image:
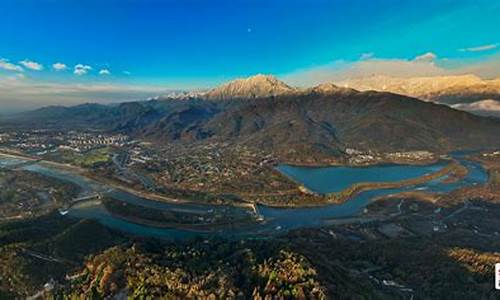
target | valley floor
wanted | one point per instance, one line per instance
(403, 245)
(396, 256)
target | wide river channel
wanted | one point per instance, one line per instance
(275, 220)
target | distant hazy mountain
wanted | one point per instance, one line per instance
(87, 112)
(125, 117)
(443, 89)
(263, 112)
(180, 95)
(257, 86)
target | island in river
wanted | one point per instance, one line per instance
(184, 218)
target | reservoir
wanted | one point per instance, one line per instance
(325, 180)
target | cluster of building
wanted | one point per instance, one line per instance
(358, 157)
(99, 139)
(141, 155)
(492, 154)
(209, 165)
(411, 155)
(4, 137)
(40, 142)
(32, 142)
(80, 142)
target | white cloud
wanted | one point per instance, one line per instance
(81, 69)
(486, 105)
(479, 48)
(59, 66)
(428, 57)
(32, 65)
(127, 73)
(6, 65)
(365, 56)
(104, 72)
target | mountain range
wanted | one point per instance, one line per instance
(459, 91)
(463, 92)
(264, 112)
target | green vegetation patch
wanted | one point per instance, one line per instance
(89, 159)
(494, 177)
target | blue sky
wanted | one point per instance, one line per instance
(197, 44)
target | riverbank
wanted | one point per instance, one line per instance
(208, 221)
(417, 195)
(454, 168)
(491, 163)
(379, 161)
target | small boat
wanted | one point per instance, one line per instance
(63, 212)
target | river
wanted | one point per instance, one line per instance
(276, 220)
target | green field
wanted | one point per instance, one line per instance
(88, 159)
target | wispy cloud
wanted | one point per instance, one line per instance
(6, 65)
(485, 68)
(428, 57)
(59, 66)
(32, 65)
(479, 48)
(81, 69)
(31, 93)
(421, 65)
(485, 105)
(104, 72)
(366, 55)
(424, 65)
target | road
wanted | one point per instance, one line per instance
(120, 164)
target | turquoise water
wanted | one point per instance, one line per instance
(322, 180)
(335, 179)
(11, 162)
